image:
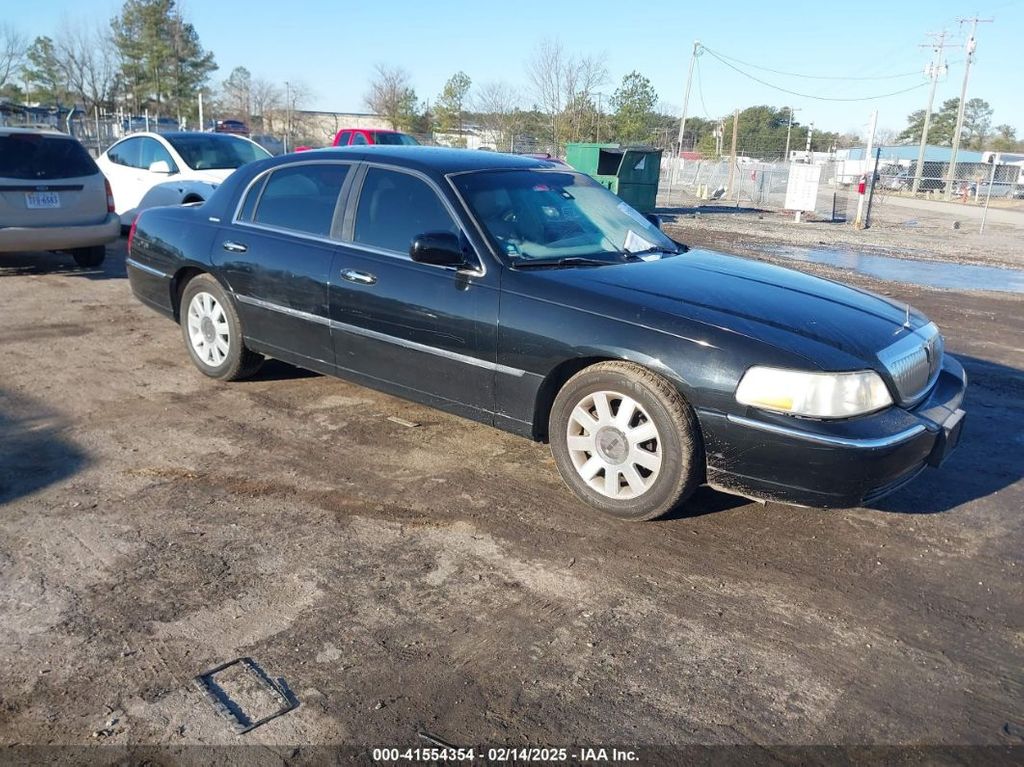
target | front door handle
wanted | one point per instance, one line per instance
(234, 247)
(363, 278)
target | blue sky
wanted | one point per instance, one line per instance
(332, 45)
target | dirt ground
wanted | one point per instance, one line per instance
(154, 524)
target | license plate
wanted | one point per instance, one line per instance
(37, 200)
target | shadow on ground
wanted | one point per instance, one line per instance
(22, 264)
(34, 451)
(991, 452)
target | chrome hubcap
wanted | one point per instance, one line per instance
(208, 330)
(614, 445)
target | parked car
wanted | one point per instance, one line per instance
(523, 294)
(273, 145)
(53, 197)
(370, 136)
(151, 169)
(235, 127)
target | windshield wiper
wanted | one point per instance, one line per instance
(654, 249)
(540, 263)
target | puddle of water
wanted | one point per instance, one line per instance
(932, 274)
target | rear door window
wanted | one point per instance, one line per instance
(301, 198)
(395, 207)
(38, 157)
(359, 138)
(126, 153)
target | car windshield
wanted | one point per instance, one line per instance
(210, 151)
(543, 214)
(394, 138)
(37, 157)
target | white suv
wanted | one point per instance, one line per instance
(53, 197)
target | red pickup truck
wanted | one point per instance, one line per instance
(356, 136)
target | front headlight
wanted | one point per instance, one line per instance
(819, 395)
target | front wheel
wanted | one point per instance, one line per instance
(213, 332)
(625, 441)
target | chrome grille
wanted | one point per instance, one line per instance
(914, 362)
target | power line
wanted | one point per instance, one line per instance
(700, 92)
(808, 95)
(811, 77)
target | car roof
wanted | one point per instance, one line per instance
(429, 158)
(34, 131)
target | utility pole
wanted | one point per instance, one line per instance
(789, 131)
(732, 162)
(859, 222)
(969, 46)
(934, 70)
(288, 114)
(686, 103)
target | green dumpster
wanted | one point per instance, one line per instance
(630, 172)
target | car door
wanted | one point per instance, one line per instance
(428, 332)
(121, 171)
(276, 257)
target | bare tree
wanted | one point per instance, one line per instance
(267, 98)
(499, 106)
(86, 55)
(236, 93)
(544, 70)
(564, 87)
(12, 52)
(391, 96)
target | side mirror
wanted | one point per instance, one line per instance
(160, 166)
(655, 219)
(437, 248)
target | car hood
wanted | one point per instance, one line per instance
(784, 307)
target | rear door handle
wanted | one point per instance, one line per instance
(234, 247)
(363, 278)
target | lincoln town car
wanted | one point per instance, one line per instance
(519, 293)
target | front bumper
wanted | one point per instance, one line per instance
(32, 238)
(834, 464)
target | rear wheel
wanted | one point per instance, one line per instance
(88, 258)
(625, 441)
(213, 331)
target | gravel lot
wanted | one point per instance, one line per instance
(154, 523)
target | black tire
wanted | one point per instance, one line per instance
(678, 440)
(238, 362)
(89, 258)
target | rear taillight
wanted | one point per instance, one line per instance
(131, 233)
(110, 197)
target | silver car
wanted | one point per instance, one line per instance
(53, 197)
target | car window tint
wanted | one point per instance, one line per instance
(396, 207)
(34, 156)
(215, 151)
(153, 151)
(344, 137)
(245, 213)
(126, 153)
(302, 198)
(359, 138)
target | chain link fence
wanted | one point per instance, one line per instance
(747, 182)
(753, 183)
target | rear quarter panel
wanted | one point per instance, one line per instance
(168, 241)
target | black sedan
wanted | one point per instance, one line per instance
(517, 292)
